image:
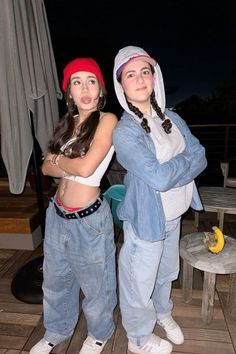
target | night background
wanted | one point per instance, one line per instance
(193, 42)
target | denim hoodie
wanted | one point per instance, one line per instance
(145, 177)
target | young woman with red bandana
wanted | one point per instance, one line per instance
(79, 248)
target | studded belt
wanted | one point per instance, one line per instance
(80, 213)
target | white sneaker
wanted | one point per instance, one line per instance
(172, 329)
(154, 345)
(42, 347)
(92, 346)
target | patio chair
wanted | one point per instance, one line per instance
(228, 181)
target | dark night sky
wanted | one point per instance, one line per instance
(193, 41)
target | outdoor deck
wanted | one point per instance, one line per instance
(21, 324)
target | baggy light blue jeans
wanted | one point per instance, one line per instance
(79, 254)
(146, 272)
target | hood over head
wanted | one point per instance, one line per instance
(82, 64)
(124, 56)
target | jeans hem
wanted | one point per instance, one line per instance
(103, 339)
(55, 338)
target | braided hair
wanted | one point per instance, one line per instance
(166, 125)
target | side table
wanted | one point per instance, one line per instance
(219, 200)
(195, 255)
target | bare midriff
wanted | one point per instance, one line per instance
(76, 195)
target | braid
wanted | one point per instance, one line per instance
(134, 109)
(166, 125)
(145, 126)
(155, 106)
(137, 112)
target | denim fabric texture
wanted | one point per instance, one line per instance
(135, 151)
(146, 272)
(79, 254)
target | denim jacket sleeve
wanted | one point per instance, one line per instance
(134, 154)
(194, 152)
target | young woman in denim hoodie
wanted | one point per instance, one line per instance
(162, 158)
(79, 248)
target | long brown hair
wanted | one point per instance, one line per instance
(66, 129)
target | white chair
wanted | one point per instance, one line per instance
(228, 181)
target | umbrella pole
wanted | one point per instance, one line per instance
(26, 285)
(38, 183)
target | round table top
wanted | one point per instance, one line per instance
(194, 252)
(218, 197)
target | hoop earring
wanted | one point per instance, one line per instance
(101, 103)
(72, 108)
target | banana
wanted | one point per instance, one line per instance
(214, 241)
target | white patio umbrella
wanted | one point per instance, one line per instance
(28, 83)
(29, 91)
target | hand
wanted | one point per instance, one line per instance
(48, 157)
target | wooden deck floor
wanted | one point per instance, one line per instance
(21, 324)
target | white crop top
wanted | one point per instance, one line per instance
(95, 179)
